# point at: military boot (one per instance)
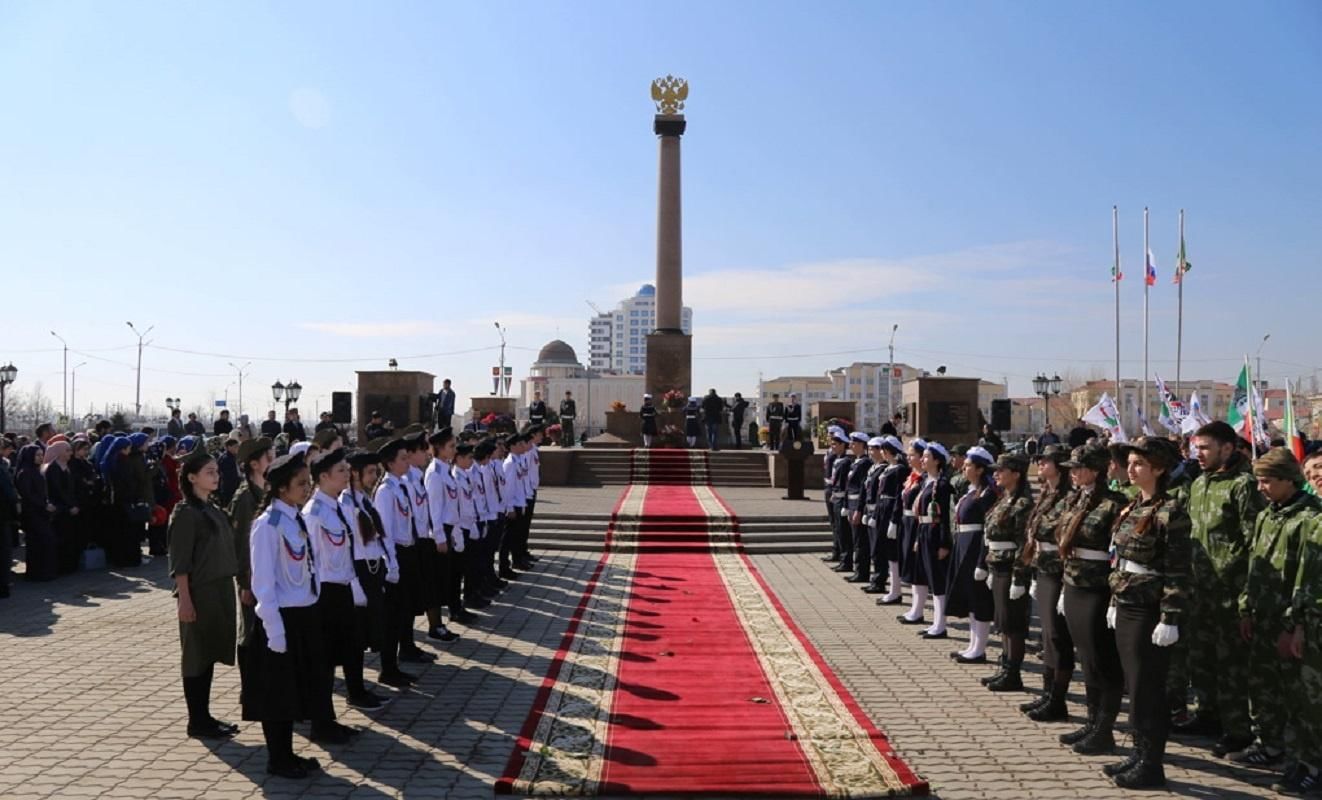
(1148, 772)
(1075, 736)
(1135, 755)
(1001, 664)
(1010, 681)
(1054, 709)
(1101, 739)
(1048, 678)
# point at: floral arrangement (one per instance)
(554, 432)
(617, 405)
(674, 399)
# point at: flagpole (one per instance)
(1248, 412)
(1179, 313)
(1115, 279)
(1143, 388)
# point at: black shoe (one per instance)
(209, 730)
(1257, 755)
(508, 574)
(1035, 703)
(856, 578)
(331, 733)
(501, 585)
(873, 588)
(1112, 770)
(477, 602)
(1099, 741)
(881, 601)
(1010, 681)
(1148, 773)
(1198, 724)
(228, 728)
(367, 702)
(960, 658)
(906, 621)
(524, 565)
(397, 680)
(287, 769)
(463, 617)
(442, 634)
(1298, 781)
(1230, 744)
(310, 764)
(843, 567)
(416, 656)
(930, 635)
(995, 676)
(1078, 735)
(1053, 710)
(831, 558)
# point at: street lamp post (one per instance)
(137, 394)
(66, 374)
(8, 374)
(73, 387)
(241, 373)
(500, 391)
(1258, 376)
(286, 393)
(1046, 388)
(174, 403)
(890, 376)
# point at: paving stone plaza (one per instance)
(94, 706)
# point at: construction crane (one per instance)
(593, 306)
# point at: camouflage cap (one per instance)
(1162, 452)
(253, 448)
(959, 450)
(1013, 461)
(1091, 456)
(1054, 452)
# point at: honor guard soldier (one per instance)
(1266, 625)
(1148, 589)
(839, 515)
(871, 491)
(911, 566)
(568, 413)
(775, 418)
(854, 503)
(648, 415)
(1054, 497)
(934, 533)
(968, 593)
(537, 411)
(889, 517)
(1223, 505)
(794, 419)
(828, 461)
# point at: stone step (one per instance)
(747, 528)
(590, 537)
(547, 517)
(751, 548)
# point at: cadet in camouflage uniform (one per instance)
(1005, 532)
(1223, 504)
(1306, 646)
(1085, 541)
(959, 483)
(1055, 496)
(1149, 587)
(1291, 518)
(1117, 472)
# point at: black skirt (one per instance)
(412, 596)
(1085, 613)
(964, 594)
(372, 621)
(1011, 615)
(911, 563)
(339, 624)
(429, 581)
(929, 552)
(290, 686)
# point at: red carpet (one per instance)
(682, 674)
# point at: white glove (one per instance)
(990, 581)
(1060, 604)
(892, 532)
(1032, 590)
(844, 512)
(359, 596)
(868, 520)
(277, 643)
(1110, 617)
(979, 574)
(1017, 591)
(392, 575)
(1165, 635)
(458, 543)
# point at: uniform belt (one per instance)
(855, 496)
(1137, 569)
(973, 527)
(909, 513)
(837, 495)
(886, 497)
(925, 520)
(1001, 546)
(1085, 554)
(871, 507)
(1048, 547)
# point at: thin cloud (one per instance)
(377, 330)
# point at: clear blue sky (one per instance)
(345, 181)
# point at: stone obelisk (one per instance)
(669, 349)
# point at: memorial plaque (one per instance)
(949, 417)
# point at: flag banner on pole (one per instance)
(1240, 415)
(1182, 264)
(1105, 415)
(1195, 419)
(1116, 274)
(1150, 276)
(1143, 423)
(1171, 413)
(1262, 435)
(1291, 429)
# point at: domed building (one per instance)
(557, 370)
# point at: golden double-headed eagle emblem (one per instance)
(670, 93)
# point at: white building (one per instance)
(865, 383)
(618, 339)
(557, 370)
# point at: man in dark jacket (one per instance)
(737, 408)
(193, 427)
(8, 514)
(1080, 434)
(222, 426)
(175, 427)
(294, 426)
(713, 406)
(228, 462)
(270, 426)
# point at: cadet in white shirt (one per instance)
(333, 544)
(283, 670)
(442, 493)
(394, 502)
(514, 474)
(467, 520)
(374, 563)
(489, 510)
(430, 567)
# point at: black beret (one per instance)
(285, 467)
(464, 450)
(325, 460)
(441, 436)
(391, 449)
(484, 449)
(362, 458)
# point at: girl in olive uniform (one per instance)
(906, 515)
(284, 665)
(1085, 542)
(967, 593)
(1005, 533)
(934, 533)
(254, 458)
(200, 545)
(1148, 585)
(1042, 551)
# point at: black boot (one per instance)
(1010, 681)
(1001, 666)
(1149, 772)
(1054, 709)
(1135, 755)
(1048, 679)
(1073, 737)
(1101, 739)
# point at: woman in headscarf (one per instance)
(244, 429)
(130, 481)
(692, 412)
(906, 516)
(967, 592)
(934, 533)
(89, 494)
(202, 564)
(64, 519)
(165, 486)
(1005, 533)
(1042, 552)
(35, 518)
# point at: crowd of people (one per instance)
(1158, 567)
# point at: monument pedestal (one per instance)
(669, 363)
